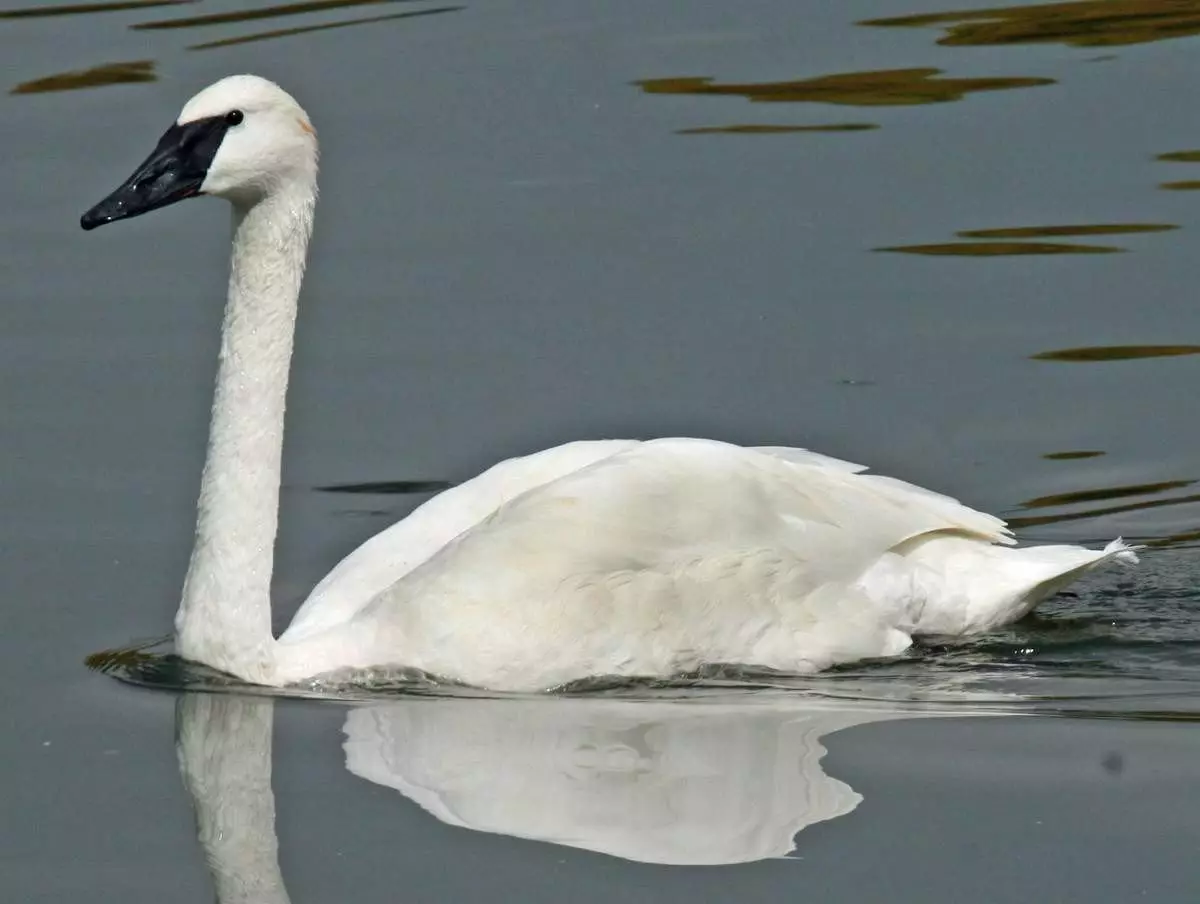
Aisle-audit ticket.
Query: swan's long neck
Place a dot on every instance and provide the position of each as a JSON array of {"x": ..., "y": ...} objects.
[{"x": 224, "y": 618}]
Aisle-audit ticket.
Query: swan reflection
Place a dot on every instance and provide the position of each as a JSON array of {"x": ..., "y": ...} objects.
[
  {"x": 679, "y": 782},
  {"x": 662, "y": 782}
]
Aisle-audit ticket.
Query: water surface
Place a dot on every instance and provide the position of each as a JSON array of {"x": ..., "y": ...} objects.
[{"x": 544, "y": 221}]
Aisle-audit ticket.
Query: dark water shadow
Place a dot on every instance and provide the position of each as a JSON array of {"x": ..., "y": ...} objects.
[
  {"x": 262, "y": 12},
  {"x": 763, "y": 129},
  {"x": 1057, "y": 500},
  {"x": 1110, "y": 494},
  {"x": 76, "y": 9},
  {"x": 882, "y": 88},
  {"x": 999, "y": 249},
  {"x": 1180, "y": 157},
  {"x": 1092, "y": 354},
  {"x": 387, "y": 487},
  {"x": 1083, "y": 23},
  {"x": 1073, "y": 454},
  {"x": 307, "y": 29},
  {"x": 381, "y": 488},
  {"x": 134, "y": 72},
  {"x": 1035, "y": 232},
  {"x": 1186, "y": 539},
  {"x": 143, "y": 70},
  {"x": 1023, "y": 522},
  {"x": 1012, "y": 241}
]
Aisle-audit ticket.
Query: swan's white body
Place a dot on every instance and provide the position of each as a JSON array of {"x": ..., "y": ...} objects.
[{"x": 593, "y": 558}]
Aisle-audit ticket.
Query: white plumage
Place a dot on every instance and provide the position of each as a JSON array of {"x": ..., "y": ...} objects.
[{"x": 613, "y": 557}]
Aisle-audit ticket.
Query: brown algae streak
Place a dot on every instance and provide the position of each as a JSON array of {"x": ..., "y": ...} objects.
[
  {"x": 883, "y": 88},
  {"x": 1182, "y": 539},
  {"x": 1017, "y": 244},
  {"x": 1105, "y": 494},
  {"x": 777, "y": 130},
  {"x": 306, "y": 29},
  {"x": 1180, "y": 157},
  {"x": 266, "y": 12},
  {"x": 1115, "y": 493},
  {"x": 1083, "y": 23},
  {"x": 1073, "y": 454},
  {"x": 1116, "y": 353},
  {"x": 1034, "y": 232},
  {"x": 76, "y": 9},
  {"x": 96, "y": 77},
  {"x": 1000, "y": 249}
]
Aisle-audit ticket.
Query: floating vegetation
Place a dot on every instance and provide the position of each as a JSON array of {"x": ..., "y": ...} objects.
[
  {"x": 1026, "y": 232},
  {"x": 1108, "y": 494},
  {"x": 1073, "y": 454},
  {"x": 75, "y": 9},
  {"x": 1180, "y": 157},
  {"x": 143, "y": 70},
  {"x": 1001, "y": 249},
  {"x": 98, "y": 76},
  {"x": 1105, "y": 494},
  {"x": 1083, "y": 23},
  {"x": 1010, "y": 248},
  {"x": 1186, "y": 185},
  {"x": 1182, "y": 538},
  {"x": 265, "y": 12},
  {"x": 1023, "y": 522},
  {"x": 305, "y": 29},
  {"x": 883, "y": 88},
  {"x": 777, "y": 130},
  {"x": 1116, "y": 353}
]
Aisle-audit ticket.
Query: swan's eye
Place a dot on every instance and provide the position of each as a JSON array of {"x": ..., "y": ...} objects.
[{"x": 234, "y": 117}]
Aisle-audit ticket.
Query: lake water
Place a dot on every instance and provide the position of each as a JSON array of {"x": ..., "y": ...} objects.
[{"x": 957, "y": 247}]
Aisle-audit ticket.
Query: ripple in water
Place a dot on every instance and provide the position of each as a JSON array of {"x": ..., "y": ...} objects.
[{"x": 1122, "y": 645}]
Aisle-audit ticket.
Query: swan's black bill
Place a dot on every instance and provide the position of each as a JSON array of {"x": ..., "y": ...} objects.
[{"x": 174, "y": 171}]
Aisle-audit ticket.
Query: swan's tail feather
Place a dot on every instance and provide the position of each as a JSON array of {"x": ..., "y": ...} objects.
[
  {"x": 1120, "y": 551},
  {"x": 1117, "y": 551},
  {"x": 954, "y": 585}
]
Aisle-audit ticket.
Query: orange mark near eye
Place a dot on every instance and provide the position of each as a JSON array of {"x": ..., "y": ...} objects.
[{"x": 307, "y": 126}]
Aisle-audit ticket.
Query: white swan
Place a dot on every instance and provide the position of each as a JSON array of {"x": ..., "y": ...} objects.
[{"x": 616, "y": 557}]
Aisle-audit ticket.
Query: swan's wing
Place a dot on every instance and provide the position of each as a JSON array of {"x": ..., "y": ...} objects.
[
  {"x": 392, "y": 553},
  {"x": 656, "y": 558},
  {"x": 805, "y": 457},
  {"x": 993, "y": 528}
]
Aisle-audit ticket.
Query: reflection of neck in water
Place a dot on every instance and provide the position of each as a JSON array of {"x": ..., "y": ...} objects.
[
  {"x": 660, "y": 782},
  {"x": 224, "y": 747}
]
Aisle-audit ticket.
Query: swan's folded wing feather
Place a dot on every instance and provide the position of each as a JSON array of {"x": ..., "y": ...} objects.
[
  {"x": 392, "y": 553},
  {"x": 960, "y": 516},
  {"x": 657, "y": 558},
  {"x": 957, "y": 516},
  {"x": 627, "y": 525},
  {"x": 805, "y": 457}
]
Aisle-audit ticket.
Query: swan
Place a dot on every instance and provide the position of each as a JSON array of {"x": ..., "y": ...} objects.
[{"x": 611, "y": 557}]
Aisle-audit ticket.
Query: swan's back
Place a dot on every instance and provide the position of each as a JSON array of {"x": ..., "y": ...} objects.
[
  {"x": 647, "y": 558},
  {"x": 387, "y": 557}
]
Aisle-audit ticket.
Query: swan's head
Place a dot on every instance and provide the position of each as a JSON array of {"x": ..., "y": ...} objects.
[{"x": 243, "y": 139}]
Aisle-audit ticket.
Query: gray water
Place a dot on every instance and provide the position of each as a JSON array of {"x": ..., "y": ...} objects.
[{"x": 550, "y": 220}]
